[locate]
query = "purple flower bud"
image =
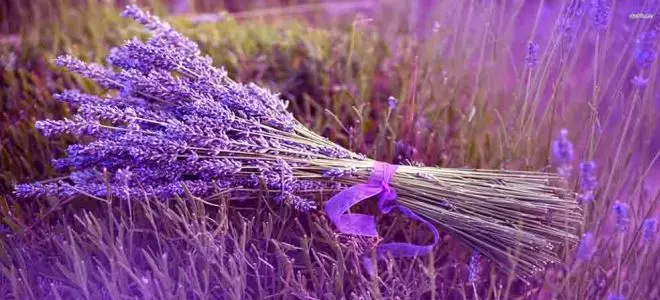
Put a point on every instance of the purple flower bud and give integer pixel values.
(532, 57)
(570, 21)
(562, 152)
(588, 181)
(474, 267)
(298, 203)
(599, 14)
(392, 102)
(75, 126)
(621, 213)
(645, 52)
(404, 152)
(123, 175)
(649, 230)
(613, 296)
(103, 76)
(76, 97)
(160, 28)
(586, 248)
(340, 172)
(639, 81)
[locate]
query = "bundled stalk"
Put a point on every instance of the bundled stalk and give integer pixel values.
(172, 119)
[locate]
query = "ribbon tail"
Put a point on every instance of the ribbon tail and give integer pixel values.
(358, 224)
(407, 249)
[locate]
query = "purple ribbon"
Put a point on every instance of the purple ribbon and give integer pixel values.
(365, 225)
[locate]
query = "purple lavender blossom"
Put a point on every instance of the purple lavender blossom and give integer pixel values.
(599, 14)
(297, 202)
(639, 81)
(474, 267)
(75, 126)
(422, 124)
(649, 230)
(586, 248)
(562, 152)
(340, 172)
(622, 215)
(570, 21)
(645, 52)
(613, 296)
(123, 175)
(160, 29)
(392, 102)
(532, 57)
(588, 181)
(404, 152)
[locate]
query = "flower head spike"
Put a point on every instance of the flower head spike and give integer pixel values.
(570, 20)
(160, 28)
(123, 175)
(622, 215)
(532, 57)
(474, 267)
(649, 230)
(599, 14)
(639, 81)
(562, 151)
(613, 296)
(392, 102)
(103, 76)
(586, 248)
(645, 52)
(588, 181)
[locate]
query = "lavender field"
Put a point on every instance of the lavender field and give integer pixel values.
(422, 149)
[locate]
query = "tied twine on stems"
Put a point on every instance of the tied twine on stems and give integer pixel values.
(365, 225)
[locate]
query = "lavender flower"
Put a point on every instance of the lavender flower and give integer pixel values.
(621, 213)
(297, 202)
(639, 81)
(599, 14)
(588, 181)
(123, 175)
(160, 29)
(562, 151)
(404, 152)
(392, 102)
(645, 52)
(532, 57)
(475, 267)
(586, 248)
(101, 75)
(340, 172)
(570, 21)
(649, 230)
(436, 27)
(613, 296)
(75, 126)
(422, 124)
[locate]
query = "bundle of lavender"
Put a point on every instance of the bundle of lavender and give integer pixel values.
(173, 120)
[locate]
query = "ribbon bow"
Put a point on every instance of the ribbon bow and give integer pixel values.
(365, 225)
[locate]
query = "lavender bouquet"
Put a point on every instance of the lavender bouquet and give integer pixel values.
(173, 123)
